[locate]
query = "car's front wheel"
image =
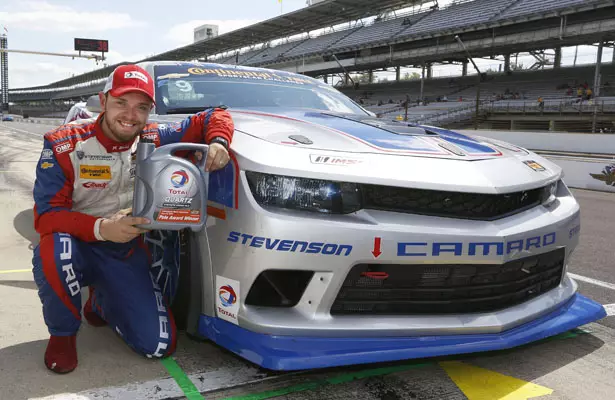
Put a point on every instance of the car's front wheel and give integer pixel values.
(181, 302)
(186, 304)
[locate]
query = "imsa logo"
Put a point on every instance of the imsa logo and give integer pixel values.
(331, 160)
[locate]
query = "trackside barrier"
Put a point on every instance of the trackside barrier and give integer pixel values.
(42, 121)
(592, 166)
(38, 120)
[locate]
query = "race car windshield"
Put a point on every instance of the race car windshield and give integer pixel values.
(180, 91)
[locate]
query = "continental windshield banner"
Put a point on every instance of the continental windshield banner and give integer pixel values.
(182, 71)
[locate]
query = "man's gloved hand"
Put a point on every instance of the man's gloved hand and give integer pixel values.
(217, 157)
(120, 227)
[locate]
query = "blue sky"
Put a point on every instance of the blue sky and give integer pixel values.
(137, 29)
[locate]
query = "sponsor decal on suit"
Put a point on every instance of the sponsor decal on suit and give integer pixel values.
(95, 172)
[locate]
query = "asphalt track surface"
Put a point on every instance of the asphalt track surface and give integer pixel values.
(577, 365)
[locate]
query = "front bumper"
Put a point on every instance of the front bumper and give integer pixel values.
(298, 353)
(307, 334)
(253, 240)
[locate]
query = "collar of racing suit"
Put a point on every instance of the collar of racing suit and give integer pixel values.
(112, 146)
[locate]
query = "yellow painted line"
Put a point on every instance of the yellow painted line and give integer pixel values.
(482, 384)
(13, 271)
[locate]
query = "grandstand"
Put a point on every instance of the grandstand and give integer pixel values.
(506, 100)
(529, 85)
(365, 36)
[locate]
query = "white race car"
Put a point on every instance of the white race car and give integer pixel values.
(336, 238)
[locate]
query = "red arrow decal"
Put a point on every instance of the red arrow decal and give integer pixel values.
(377, 242)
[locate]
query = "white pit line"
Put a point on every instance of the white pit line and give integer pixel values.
(609, 308)
(592, 281)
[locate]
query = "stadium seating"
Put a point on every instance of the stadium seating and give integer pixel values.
(458, 16)
(273, 53)
(532, 7)
(242, 59)
(319, 43)
(225, 60)
(381, 30)
(548, 83)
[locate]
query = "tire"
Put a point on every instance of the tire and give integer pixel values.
(181, 303)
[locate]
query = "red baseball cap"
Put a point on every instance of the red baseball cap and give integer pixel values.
(130, 78)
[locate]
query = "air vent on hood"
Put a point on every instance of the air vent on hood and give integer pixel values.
(399, 128)
(452, 148)
(393, 126)
(301, 139)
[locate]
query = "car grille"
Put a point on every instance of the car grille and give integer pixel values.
(396, 289)
(476, 206)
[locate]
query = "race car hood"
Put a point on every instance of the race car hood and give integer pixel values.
(382, 150)
(351, 133)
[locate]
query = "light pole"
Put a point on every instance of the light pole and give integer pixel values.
(458, 39)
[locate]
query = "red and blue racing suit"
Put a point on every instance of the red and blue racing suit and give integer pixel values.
(82, 177)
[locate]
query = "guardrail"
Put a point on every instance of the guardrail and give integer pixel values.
(581, 155)
(452, 115)
(559, 106)
(551, 106)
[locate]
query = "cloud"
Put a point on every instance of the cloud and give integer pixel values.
(113, 57)
(183, 34)
(39, 73)
(43, 16)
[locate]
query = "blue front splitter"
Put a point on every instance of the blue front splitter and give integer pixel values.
(297, 353)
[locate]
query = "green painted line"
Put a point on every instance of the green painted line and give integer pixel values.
(344, 378)
(184, 383)
(567, 335)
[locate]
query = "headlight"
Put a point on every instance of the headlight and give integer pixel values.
(549, 193)
(304, 193)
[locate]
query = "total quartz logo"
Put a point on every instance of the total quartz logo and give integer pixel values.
(180, 182)
(179, 179)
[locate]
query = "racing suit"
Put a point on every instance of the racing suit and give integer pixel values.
(83, 176)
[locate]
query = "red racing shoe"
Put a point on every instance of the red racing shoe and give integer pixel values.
(61, 354)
